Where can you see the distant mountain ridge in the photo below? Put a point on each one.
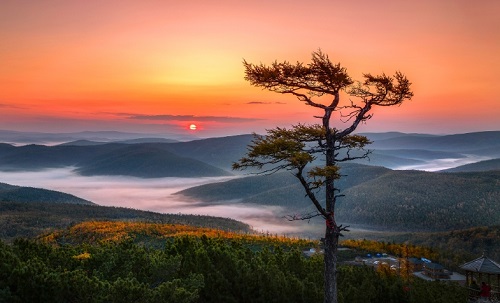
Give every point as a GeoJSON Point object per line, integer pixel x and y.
{"type": "Point", "coordinates": [99, 136]}
{"type": "Point", "coordinates": [453, 143]}
{"type": "Point", "coordinates": [214, 156]}
{"type": "Point", "coordinates": [147, 160]}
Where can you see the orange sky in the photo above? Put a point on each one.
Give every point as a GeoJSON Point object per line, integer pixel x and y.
{"type": "Point", "coordinates": [158, 66]}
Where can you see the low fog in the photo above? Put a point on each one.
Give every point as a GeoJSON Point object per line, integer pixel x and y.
{"type": "Point", "coordinates": [442, 164]}
{"type": "Point", "coordinates": [157, 195]}
{"type": "Point", "coordinates": [153, 195]}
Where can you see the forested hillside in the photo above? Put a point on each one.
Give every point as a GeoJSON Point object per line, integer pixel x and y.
{"type": "Point", "coordinates": [12, 193]}
{"type": "Point", "coordinates": [146, 160]}
{"type": "Point", "coordinates": [378, 197]}
{"type": "Point", "coordinates": [219, 152]}
{"type": "Point", "coordinates": [20, 219]}
{"type": "Point", "coordinates": [425, 201]}
{"type": "Point", "coordinates": [468, 142]}
{"type": "Point", "coordinates": [493, 164]}
{"type": "Point", "coordinates": [471, 243]}
{"type": "Point", "coordinates": [146, 157]}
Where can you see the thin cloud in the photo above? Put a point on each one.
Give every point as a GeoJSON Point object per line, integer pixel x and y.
{"type": "Point", "coordinates": [264, 103]}
{"type": "Point", "coordinates": [5, 105]}
{"type": "Point", "coordinates": [223, 119]}
{"type": "Point", "coordinates": [258, 102]}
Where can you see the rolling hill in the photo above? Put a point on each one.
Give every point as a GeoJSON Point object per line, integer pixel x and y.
{"type": "Point", "coordinates": [392, 150]}
{"type": "Point", "coordinates": [12, 193]}
{"type": "Point", "coordinates": [471, 242]}
{"type": "Point", "coordinates": [138, 160]}
{"type": "Point", "coordinates": [219, 152]}
{"type": "Point", "coordinates": [20, 219]}
{"type": "Point", "coordinates": [99, 136]}
{"type": "Point", "coordinates": [493, 164]}
{"type": "Point", "coordinates": [424, 201]}
{"type": "Point", "coordinates": [146, 161]}
{"type": "Point", "coordinates": [460, 143]}
{"type": "Point", "coordinates": [377, 197]}
{"type": "Point", "coordinates": [28, 211]}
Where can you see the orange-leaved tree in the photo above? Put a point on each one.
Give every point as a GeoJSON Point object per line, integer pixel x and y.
{"type": "Point", "coordinates": [320, 84]}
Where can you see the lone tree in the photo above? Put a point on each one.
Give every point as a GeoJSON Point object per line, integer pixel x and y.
{"type": "Point", "coordinates": [319, 84]}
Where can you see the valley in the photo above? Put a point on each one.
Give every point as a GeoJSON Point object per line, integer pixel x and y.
{"type": "Point", "coordinates": [194, 177]}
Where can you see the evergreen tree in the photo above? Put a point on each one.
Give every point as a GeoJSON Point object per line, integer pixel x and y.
{"type": "Point", "coordinates": [320, 85]}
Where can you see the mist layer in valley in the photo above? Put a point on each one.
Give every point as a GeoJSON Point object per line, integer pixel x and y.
{"type": "Point", "coordinates": [154, 195]}
{"type": "Point", "coordinates": [443, 164]}
{"type": "Point", "coordinates": [155, 169]}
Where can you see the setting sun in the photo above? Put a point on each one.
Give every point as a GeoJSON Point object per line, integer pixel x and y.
{"type": "Point", "coordinates": [192, 127]}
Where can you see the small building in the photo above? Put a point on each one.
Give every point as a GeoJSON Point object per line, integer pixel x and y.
{"type": "Point", "coordinates": [435, 271]}
{"type": "Point", "coordinates": [415, 264]}
{"type": "Point", "coordinates": [482, 269]}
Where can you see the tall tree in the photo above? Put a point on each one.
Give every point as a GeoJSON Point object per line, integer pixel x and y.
{"type": "Point", "coordinates": [320, 84]}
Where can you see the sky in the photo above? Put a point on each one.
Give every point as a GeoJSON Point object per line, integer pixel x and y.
{"type": "Point", "coordinates": [159, 66]}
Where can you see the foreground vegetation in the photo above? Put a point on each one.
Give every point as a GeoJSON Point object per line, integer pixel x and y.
{"type": "Point", "coordinates": [143, 262]}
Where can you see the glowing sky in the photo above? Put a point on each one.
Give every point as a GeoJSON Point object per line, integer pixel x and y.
{"type": "Point", "coordinates": [160, 66]}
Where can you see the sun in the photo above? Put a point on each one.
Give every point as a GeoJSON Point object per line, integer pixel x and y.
{"type": "Point", "coordinates": [192, 127]}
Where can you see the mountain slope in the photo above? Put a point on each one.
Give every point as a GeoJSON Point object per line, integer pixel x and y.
{"type": "Point", "coordinates": [424, 201]}
{"type": "Point", "coordinates": [393, 150]}
{"type": "Point", "coordinates": [493, 164]}
{"type": "Point", "coordinates": [219, 152]}
{"type": "Point", "coordinates": [14, 193]}
{"type": "Point", "coordinates": [36, 157]}
{"type": "Point", "coordinates": [147, 162]}
{"type": "Point", "coordinates": [379, 197]}
{"type": "Point", "coordinates": [139, 160]}
{"type": "Point", "coordinates": [20, 219]}
{"type": "Point", "coordinates": [472, 241]}
{"type": "Point", "coordinates": [452, 143]}
{"type": "Point", "coordinates": [270, 189]}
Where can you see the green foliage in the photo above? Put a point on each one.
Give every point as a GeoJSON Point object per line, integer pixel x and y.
{"type": "Point", "coordinates": [319, 77]}
{"type": "Point", "coordinates": [319, 174]}
{"type": "Point", "coordinates": [194, 269]}
{"type": "Point", "coordinates": [354, 141]}
{"type": "Point", "coordinates": [282, 148]}
{"type": "Point", "coordinates": [122, 272]}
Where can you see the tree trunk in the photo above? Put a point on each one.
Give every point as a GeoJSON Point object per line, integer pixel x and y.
{"type": "Point", "coordinates": [331, 232]}
{"type": "Point", "coordinates": [330, 255]}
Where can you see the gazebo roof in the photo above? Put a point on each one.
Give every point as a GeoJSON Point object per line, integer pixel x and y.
{"type": "Point", "coordinates": [482, 265]}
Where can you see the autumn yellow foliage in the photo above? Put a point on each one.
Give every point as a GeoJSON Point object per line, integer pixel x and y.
{"type": "Point", "coordinates": [82, 256]}
{"type": "Point", "coordinates": [96, 232]}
